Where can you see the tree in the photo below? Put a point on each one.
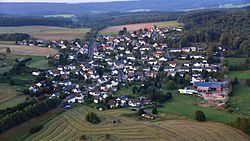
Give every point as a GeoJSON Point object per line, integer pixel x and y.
{"type": "Point", "coordinates": [171, 85]}
{"type": "Point", "coordinates": [92, 118]}
{"type": "Point", "coordinates": [8, 51]}
{"type": "Point", "coordinates": [154, 110]}
{"type": "Point", "coordinates": [235, 81]}
{"type": "Point", "coordinates": [200, 116]}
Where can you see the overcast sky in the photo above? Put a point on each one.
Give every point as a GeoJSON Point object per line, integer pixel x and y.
{"type": "Point", "coordinates": [61, 1]}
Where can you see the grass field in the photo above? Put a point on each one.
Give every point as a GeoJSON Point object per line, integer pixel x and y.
{"type": "Point", "coordinates": [47, 32]}
{"type": "Point", "coordinates": [71, 124]}
{"type": "Point", "coordinates": [10, 96]}
{"type": "Point", "coordinates": [39, 62]}
{"type": "Point", "coordinates": [240, 74]}
{"type": "Point", "coordinates": [28, 50]}
{"type": "Point", "coordinates": [240, 99]}
{"type": "Point", "coordinates": [234, 60]}
{"type": "Point", "coordinates": [113, 30]}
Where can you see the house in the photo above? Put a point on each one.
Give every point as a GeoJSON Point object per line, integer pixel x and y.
{"type": "Point", "coordinates": [172, 64]}
{"type": "Point", "coordinates": [134, 103]}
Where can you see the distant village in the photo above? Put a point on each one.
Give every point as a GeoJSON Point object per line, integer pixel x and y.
{"type": "Point", "coordinates": [123, 59]}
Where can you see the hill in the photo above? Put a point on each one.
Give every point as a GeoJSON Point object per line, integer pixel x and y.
{"type": "Point", "coordinates": [71, 125]}
{"type": "Point", "coordinates": [122, 6]}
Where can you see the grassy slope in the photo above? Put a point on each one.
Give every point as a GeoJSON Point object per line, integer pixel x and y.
{"type": "Point", "coordinates": [71, 125]}
{"type": "Point", "coordinates": [21, 132]}
{"type": "Point", "coordinates": [240, 99]}
{"type": "Point", "coordinates": [11, 95]}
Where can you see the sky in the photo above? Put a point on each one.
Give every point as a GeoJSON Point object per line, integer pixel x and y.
{"type": "Point", "coordinates": [61, 1]}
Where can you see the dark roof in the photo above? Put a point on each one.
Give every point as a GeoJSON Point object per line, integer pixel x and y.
{"type": "Point", "coordinates": [208, 84]}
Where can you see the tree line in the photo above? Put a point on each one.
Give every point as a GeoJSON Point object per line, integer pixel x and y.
{"type": "Point", "coordinates": [14, 116]}
{"type": "Point", "coordinates": [14, 36]}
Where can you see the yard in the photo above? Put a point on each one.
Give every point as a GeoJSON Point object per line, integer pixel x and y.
{"type": "Point", "coordinates": [113, 30]}
{"type": "Point", "coordinates": [47, 32]}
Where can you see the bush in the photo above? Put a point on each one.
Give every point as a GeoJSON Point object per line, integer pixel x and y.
{"type": "Point", "coordinates": [92, 118]}
{"type": "Point", "coordinates": [243, 124]}
{"type": "Point", "coordinates": [83, 137]}
{"type": "Point", "coordinates": [140, 112]}
{"type": "Point", "coordinates": [12, 82]}
{"type": "Point", "coordinates": [248, 82]}
{"type": "Point", "coordinates": [200, 116]}
{"type": "Point", "coordinates": [36, 129]}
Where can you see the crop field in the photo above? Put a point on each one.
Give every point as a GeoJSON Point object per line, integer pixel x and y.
{"type": "Point", "coordinates": [71, 125]}
{"type": "Point", "coordinates": [112, 30]}
{"type": "Point", "coordinates": [47, 32]}
{"type": "Point", "coordinates": [28, 50]}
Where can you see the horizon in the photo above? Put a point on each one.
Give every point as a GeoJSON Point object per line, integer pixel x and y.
{"type": "Point", "coordinates": [63, 1]}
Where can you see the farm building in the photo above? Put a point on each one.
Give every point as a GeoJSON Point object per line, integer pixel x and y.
{"type": "Point", "coordinates": [208, 86]}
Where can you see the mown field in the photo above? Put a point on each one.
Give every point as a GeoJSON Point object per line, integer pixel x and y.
{"type": "Point", "coordinates": [113, 30]}
{"type": "Point", "coordinates": [71, 125]}
{"type": "Point", "coordinates": [28, 50]}
{"type": "Point", "coordinates": [47, 32]}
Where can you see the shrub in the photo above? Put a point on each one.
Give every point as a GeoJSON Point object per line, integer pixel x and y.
{"type": "Point", "coordinates": [248, 82]}
{"type": "Point", "coordinates": [83, 137]}
{"type": "Point", "coordinates": [243, 124]}
{"type": "Point", "coordinates": [200, 116]}
{"type": "Point", "coordinates": [12, 82]}
{"type": "Point", "coordinates": [36, 129]}
{"type": "Point", "coordinates": [140, 112]}
{"type": "Point", "coordinates": [92, 118]}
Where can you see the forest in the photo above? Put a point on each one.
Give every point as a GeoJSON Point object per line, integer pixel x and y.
{"type": "Point", "coordinates": [97, 21]}
{"type": "Point", "coordinates": [229, 29]}
{"type": "Point", "coordinates": [14, 37]}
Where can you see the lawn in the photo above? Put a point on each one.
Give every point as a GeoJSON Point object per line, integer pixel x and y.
{"type": "Point", "coordinates": [19, 133]}
{"type": "Point", "coordinates": [240, 74]}
{"type": "Point", "coordinates": [240, 99]}
{"type": "Point", "coordinates": [47, 32]}
{"type": "Point", "coordinates": [113, 30]}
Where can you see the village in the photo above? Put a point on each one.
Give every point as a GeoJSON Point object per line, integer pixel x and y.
{"type": "Point", "coordinates": [95, 71]}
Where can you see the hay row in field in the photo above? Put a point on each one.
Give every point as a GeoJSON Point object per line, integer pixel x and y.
{"type": "Point", "coordinates": [71, 125]}
{"type": "Point", "coordinates": [28, 50]}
